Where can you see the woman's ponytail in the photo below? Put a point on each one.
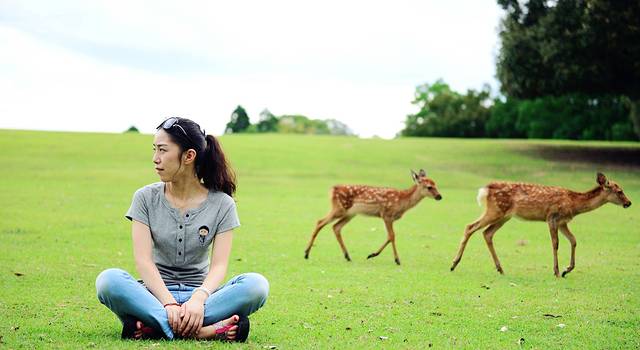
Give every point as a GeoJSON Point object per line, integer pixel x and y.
{"type": "Point", "coordinates": [215, 172]}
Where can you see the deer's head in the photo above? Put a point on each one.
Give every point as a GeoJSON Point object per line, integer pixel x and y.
{"type": "Point", "coordinates": [614, 192]}
{"type": "Point", "coordinates": [426, 186]}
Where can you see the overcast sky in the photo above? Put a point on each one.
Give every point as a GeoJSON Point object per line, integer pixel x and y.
{"type": "Point", "coordinates": [106, 65]}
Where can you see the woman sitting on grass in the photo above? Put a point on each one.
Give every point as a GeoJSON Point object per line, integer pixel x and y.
{"type": "Point", "coordinates": [174, 223]}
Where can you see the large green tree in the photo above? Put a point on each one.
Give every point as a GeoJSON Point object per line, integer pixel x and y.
{"type": "Point", "coordinates": [554, 48]}
{"type": "Point", "coordinates": [239, 121]}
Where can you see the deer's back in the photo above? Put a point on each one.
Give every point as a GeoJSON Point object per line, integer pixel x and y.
{"type": "Point", "coordinates": [363, 199]}
{"type": "Point", "coordinates": [528, 201]}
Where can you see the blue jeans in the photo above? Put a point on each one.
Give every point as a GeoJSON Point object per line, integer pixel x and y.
{"type": "Point", "coordinates": [122, 294]}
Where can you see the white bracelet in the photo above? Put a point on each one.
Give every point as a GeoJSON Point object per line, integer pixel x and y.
{"type": "Point", "coordinates": [203, 289]}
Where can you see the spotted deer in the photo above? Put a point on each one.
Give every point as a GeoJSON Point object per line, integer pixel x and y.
{"type": "Point", "coordinates": [389, 204]}
{"type": "Point", "coordinates": [555, 205]}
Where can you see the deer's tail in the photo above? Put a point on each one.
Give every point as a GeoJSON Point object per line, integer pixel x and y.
{"type": "Point", "coordinates": [483, 192]}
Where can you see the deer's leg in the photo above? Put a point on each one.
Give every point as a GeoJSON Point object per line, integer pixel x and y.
{"type": "Point", "coordinates": [389, 233]}
{"type": "Point", "coordinates": [374, 254]}
{"type": "Point", "coordinates": [553, 230]}
{"type": "Point", "coordinates": [319, 225]}
{"type": "Point", "coordinates": [565, 231]}
{"type": "Point", "coordinates": [336, 229]}
{"type": "Point", "coordinates": [468, 231]}
{"type": "Point", "coordinates": [392, 237]}
{"type": "Point", "coordinates": [488, 237]}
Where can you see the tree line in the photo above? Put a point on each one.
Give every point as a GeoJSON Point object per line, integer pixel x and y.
{"type": "Point", "coordinates": [579, 116]}
{"type": "Point", "coordinates": [290, 124]}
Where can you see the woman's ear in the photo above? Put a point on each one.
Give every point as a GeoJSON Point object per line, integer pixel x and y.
{"type": "Point", "coordinates": [189, 156]}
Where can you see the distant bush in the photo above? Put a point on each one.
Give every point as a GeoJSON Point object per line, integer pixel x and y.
{"type": "Point", "coordinates": [575, 117]}
{"type": "Point", "coordinates": [287, 124]}
{"type": "Point", "coordinates": [502, 122]}
{"type": "Point", "coordinates": [447, 113]}
{"type": "Point", "coordinates": [132, 129]}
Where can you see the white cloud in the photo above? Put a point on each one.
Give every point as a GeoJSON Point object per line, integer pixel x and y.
{"type": "Point", "coordinates": [102, 66]}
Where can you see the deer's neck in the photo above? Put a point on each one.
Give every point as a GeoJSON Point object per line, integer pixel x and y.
{"type": "Point", "coordinates": [411, 197]}
{"type": "Point", "coordinates": [588, 201]}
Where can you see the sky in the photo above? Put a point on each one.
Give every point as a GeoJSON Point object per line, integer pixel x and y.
{"type": "Point", "coordinates": [103, 66]}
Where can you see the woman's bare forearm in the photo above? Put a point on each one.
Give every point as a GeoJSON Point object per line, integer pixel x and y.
{"type": "Point", "coordinates": [214, 277]}
{"type": "Point", "coordinates": [154, 283]}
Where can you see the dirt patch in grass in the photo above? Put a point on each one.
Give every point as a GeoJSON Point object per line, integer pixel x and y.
{"type": "Point", "coordinates": [627, 157]}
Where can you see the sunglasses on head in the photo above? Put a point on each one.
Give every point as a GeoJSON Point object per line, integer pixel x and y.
{"type": "Point", "coordinates": [173, 121]}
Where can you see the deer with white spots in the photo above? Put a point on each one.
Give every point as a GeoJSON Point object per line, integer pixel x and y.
{"type": "Point", "coordinates": [389, 204]}
{"type": "Point", "coordinates": [554, 205]}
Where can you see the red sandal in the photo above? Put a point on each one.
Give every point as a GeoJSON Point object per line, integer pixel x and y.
{"type": "Point", "coordinates": [242, 333]}
{"type": "Point", "coordinates": [129, 327]}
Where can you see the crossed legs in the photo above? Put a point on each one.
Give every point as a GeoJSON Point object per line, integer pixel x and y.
{"type": "Point", "coordinates": [122, 294]}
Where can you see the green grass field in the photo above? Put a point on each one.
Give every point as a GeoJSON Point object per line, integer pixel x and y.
{"type": "Point", "coordinates": [64, 195]}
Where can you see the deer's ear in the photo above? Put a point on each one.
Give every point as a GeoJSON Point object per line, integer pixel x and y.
{"type": "Point", "coordinates": [602, 180]}
{"type": "Point", "coordinates": [414, 176]}
{"type": "Point", "coordinates": [423, 173]}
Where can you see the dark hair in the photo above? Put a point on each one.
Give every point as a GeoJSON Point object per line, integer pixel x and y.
{"type": "Point", "coordinates": [212, 167]}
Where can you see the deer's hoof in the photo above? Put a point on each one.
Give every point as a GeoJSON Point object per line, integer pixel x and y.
{"type": "Point", "coordinates": [306, 255]}
{"type": "Point", "coordinates": [500, 270]}
{"type": "Point", "coordinates": [346, 256]}
{"type": "Point", "coordinates": [398, 261]}
{"type": "Point", "coordinates": [565, 272]}
{"type": "Point", "coordinates": [372, 255]}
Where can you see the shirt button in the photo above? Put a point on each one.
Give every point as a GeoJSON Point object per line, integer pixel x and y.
{"type": "Point", "coordinates": [180, 226]}
{"type": "Point", "coordinates": [187, 215]}
{"type": "Point", "coordinates": [180, 240]}
{"type": "Point", "coordinates": [179, 253]}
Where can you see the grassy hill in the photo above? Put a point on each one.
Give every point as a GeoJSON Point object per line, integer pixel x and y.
{"type": "Point", "coordinates": [64, 195]}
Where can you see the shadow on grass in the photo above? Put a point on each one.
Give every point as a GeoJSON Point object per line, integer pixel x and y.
{"type": "Point", "coordinates": [623, 157]}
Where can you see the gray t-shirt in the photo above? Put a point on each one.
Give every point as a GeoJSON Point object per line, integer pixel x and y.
{"type": "Point", "coordinates": [181, 242]}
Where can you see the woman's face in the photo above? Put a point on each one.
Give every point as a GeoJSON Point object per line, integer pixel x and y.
{"type": "Point", "coordinates": [166, 156]}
